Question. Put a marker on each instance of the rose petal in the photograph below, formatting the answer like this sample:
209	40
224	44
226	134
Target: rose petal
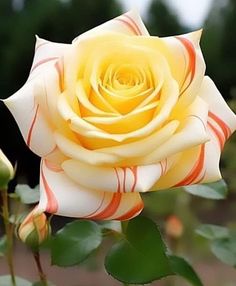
126	179
221	123
129	23
29	117
60	195
75	150
191	132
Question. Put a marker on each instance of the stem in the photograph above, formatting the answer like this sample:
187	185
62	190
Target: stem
9	234
42	275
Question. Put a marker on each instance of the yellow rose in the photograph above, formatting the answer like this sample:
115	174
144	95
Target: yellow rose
119	112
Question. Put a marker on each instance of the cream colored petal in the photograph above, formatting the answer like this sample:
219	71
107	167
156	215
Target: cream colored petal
30	118
187	65
60	195
221	124
78	152
46	52
129	23
191	132
144	146
217	105
126	179
187	168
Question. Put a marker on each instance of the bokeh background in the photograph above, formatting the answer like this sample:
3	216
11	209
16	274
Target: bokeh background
63	20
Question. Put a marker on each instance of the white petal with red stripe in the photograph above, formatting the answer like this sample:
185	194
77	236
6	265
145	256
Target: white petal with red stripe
119	179
129	23
62	196
221	123
34	127
46	52
187	64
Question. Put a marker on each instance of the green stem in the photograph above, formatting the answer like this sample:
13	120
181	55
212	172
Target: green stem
124	225
42	275
9	234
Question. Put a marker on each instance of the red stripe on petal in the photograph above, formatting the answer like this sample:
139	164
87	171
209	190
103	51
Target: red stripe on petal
124	179
224	127
118	181
133	212
44	61
135	174
128	25
28	141
192	60
41	45
60	71
52	205
112	207
138	31
196	170
98	208
220	137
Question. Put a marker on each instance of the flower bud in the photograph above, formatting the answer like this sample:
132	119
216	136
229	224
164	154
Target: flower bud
174	227
34	229
6	170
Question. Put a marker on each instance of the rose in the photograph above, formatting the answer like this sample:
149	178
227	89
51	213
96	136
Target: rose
34	230
119	112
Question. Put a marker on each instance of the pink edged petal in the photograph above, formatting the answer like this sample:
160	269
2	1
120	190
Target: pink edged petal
30	118
129	23
117	179
62	196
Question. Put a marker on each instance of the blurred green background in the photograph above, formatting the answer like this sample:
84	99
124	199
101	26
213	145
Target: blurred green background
61	21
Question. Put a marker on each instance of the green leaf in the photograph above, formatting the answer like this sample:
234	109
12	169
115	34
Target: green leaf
215	191
72	244
182	268
6	281
3	245
27	195
225	249
212	232
139	258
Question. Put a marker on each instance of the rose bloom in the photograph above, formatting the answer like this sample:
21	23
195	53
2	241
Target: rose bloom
119	112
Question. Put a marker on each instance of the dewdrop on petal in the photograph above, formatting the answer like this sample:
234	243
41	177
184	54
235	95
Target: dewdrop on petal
6	170
34	230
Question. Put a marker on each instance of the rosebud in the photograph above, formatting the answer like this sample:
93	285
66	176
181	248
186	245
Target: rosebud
6	170
174	226
34	229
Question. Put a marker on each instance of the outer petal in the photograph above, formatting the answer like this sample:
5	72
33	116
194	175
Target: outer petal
62	196
129	23
46	52
26	104
201	164
221	124
187	64
188	169
125	179
30	119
